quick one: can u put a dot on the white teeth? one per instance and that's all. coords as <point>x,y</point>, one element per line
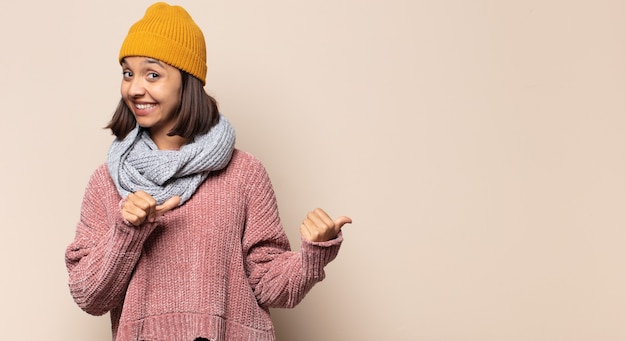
<point>143,106</point>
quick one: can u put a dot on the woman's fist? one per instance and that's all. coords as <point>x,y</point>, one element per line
<point>140,207</point>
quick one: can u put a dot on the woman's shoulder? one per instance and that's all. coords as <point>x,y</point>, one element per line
<point>246,167</point>
<point>243,159</point>
<point>101,176</point>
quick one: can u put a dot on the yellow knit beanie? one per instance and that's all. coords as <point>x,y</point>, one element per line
<point>169,34</point>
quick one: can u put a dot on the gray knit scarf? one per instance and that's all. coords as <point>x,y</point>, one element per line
<point>136,163</point>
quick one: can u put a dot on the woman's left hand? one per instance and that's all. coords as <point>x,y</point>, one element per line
<point>319,227</point>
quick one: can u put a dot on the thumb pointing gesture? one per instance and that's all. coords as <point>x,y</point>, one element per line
<point>140,207</point>
<point>319,227</point>
<point>169,204</point>
<point>339,222</point>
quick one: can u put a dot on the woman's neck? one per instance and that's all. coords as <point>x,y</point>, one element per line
<point>166,142</point>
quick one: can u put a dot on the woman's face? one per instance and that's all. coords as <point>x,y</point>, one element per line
<point>152,91</point>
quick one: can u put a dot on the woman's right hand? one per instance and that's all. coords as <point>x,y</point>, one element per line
<point>140,207</point>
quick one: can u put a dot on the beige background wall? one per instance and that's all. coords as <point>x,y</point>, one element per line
<point>479,146</point>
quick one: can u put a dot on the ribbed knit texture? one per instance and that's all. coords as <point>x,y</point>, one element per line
<point>169,34</point>
<point>136,163</point>
<point>211,268</point>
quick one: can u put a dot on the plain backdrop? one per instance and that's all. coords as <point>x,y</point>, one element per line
<point>479,147</point>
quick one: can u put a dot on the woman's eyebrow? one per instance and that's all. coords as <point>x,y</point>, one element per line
<point>153,61</point>
<point>146,61</point>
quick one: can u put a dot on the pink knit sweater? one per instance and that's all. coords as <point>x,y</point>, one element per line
<point>211,268</point>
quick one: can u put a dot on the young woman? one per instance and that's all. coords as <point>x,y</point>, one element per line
<point>179,236</point>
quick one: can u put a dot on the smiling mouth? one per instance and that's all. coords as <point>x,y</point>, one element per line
<point>144,106</point>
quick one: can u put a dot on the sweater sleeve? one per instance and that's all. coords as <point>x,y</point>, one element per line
<point>280,278</point>
<point>105,250</point>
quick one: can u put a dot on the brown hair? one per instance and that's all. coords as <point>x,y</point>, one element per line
<point>197,114</point>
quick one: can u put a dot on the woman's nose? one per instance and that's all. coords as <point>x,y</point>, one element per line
<point>136,88</point>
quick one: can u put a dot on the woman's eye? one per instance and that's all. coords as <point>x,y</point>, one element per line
<point>127,74</point>
<point>153,75</point>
